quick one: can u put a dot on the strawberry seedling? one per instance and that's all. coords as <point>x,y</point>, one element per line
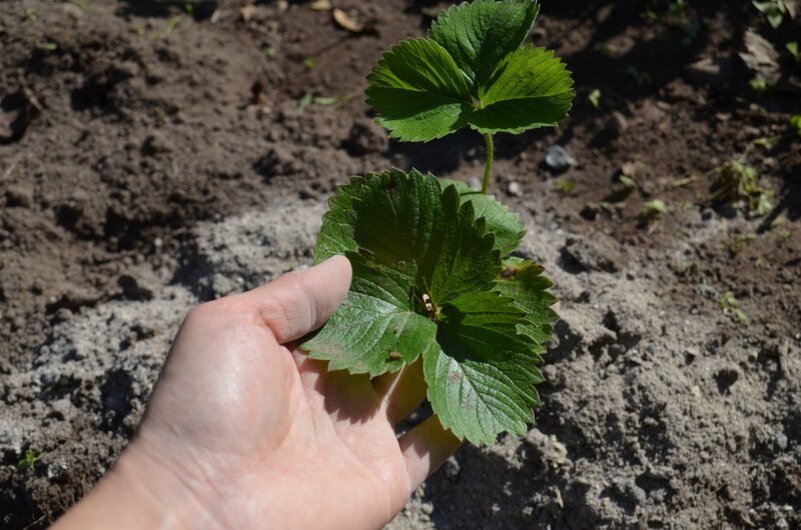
<point>28,462</point>
<point>433,277</point>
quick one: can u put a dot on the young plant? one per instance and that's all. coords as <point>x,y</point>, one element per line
<point>774,11</point>
<point>28,462</point>
<point>433,279</point>
<point>795,124</point>
<point>737,182</point>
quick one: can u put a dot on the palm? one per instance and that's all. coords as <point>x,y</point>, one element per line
<point>253,420</point>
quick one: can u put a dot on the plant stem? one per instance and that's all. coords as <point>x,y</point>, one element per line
<point>488,164</point>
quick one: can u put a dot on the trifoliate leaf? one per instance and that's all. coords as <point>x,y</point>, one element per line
<point>507,226</point>
<point>470,71</point>
<point>420,91</point>
<point>428,281</point>
<point>480,382</point>
<point>530,88</point>
<point>478,35</point>
<point>522,281</point>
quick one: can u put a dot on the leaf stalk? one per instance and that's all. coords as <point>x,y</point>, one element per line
<point>488,163</point>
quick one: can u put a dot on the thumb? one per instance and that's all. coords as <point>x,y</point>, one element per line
<point>301,301</point>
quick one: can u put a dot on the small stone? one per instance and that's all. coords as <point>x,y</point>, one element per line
<point>62,315</point>
<point>513,189</point>
<point>474,183</point>
<point>135,288</point>
<point>19,196</point>
<point>558,159</point>
<point>713,72</point>
<point>57,469</point>
<point>72,10</point>
<point>156,143</point>
<point>127,69</point>
<point>634,169</point>
<point>616,124</point>
<point>63,408</point>
<point>691,352</point>
<point>587,256</point>
<point>452,468</point>
<point>781,441</point>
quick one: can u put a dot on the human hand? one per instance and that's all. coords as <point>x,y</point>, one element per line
<point>244,431</point>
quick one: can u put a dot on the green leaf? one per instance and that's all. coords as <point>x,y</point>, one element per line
<point>479,34</point>
<point>530,88</point>
<point>470,71</point>
<point>375,330</point>
<point>480,382</point>
<point>507,226</point>
<point>393,216</point>
<point>428,280</point>
<point>419,91</point>
<point>408,224</point>
<point>522,281</point>
<point>336,234</point>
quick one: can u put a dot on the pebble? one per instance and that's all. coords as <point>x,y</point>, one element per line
<point>558,159</point>
<point>781,441</point>
<point>513,189</point>
<point>136,288</point>
<point>72,10</point>
<point>62,315</point>
<point>452,468</point>
<point>157,143</point>
<point>713,72</point>
<point>474,183</point>
<point>63,408</point>
<point>19,196</point>
<point>589,257</point>
<point>629,489</point>
<point>617,123</point>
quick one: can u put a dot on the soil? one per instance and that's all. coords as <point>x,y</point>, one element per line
<point>154,158</point>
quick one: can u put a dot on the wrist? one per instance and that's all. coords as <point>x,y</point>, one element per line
<point>139,492</point>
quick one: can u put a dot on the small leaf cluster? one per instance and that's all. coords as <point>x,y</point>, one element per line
<point>28,462</point>
<point>471,71</point>
<point>738,182</point>
<point>774,11</point>
<point>433,279</point>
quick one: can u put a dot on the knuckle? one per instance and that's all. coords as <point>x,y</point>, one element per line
<point>227,308</point>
